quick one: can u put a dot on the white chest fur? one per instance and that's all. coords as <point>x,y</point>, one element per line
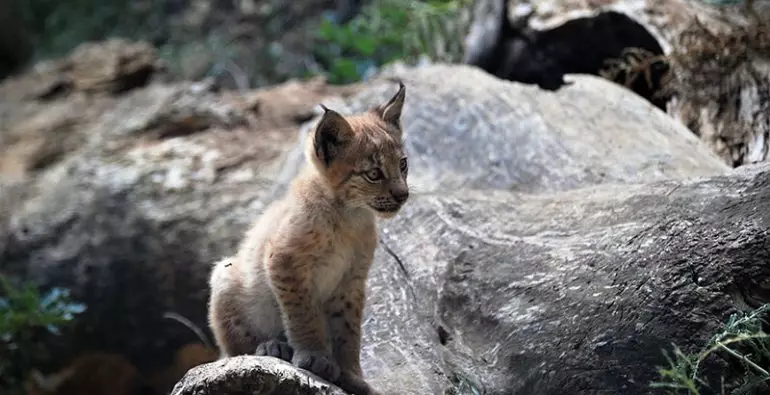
<point>332,268</point>
<point>351,247</point>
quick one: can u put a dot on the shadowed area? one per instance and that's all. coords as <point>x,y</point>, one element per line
<point>587,45</point>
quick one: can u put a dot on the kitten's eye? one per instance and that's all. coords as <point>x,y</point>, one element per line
<point>404,165</point>
<point>373,175</point>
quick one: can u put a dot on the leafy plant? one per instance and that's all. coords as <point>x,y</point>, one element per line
<point>392,29</point>
<point>26,318</point>
<point>743,343</point>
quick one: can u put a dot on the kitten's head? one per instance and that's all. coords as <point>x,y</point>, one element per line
<point>362,156</point>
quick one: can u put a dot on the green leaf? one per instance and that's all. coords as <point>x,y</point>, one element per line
<point>345,70</point>
<point>366,45</point>
<point>328,31</point>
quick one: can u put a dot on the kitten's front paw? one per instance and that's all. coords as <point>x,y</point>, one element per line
<point>318,362</point>
<point>355,385</point>
<point>275,348</point>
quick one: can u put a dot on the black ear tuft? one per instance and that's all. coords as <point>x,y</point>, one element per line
<point>390,112</point>
<point>331,135</point>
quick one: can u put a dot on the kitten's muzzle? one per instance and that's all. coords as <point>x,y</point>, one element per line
<point>400,196</point>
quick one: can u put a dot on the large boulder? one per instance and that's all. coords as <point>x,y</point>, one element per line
<point>571,292</point>
<point>465,128</point>
<point>164,179</point>
<point>578,291</point>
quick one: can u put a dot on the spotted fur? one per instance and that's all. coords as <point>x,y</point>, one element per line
<point>296,287</point>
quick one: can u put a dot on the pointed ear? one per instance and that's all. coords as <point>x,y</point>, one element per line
<point>332,133</point>
<point>390,112</point>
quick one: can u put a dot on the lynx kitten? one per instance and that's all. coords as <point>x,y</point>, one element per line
<point>295,289</point>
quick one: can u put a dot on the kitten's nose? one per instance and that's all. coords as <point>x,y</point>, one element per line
<point>400,196</point>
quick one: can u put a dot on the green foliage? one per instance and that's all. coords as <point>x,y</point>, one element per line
<point>26,319</point>
<point>388,30</point>
<point>744,345</point>
<point>384,31</point>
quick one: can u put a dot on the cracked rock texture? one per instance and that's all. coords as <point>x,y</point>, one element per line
<point>555,241</point>
<point>251,375</point>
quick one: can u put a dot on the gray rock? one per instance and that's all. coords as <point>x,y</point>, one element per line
<point>467,129</point>
<point>251,375</point>
<point>571,292</point>
<point>473,283</point>
<point>574,292</point>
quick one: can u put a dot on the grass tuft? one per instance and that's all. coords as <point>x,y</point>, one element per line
<point>743,344</point>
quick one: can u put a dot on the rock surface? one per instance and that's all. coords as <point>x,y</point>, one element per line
<point>577,290</point>
<point>474,282</point>
<point>480,132</point>
<point>251,375</point>
<point>580,291</point>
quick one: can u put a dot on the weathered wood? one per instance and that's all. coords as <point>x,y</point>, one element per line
<point>714,76</point>
<point>721,81</point>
